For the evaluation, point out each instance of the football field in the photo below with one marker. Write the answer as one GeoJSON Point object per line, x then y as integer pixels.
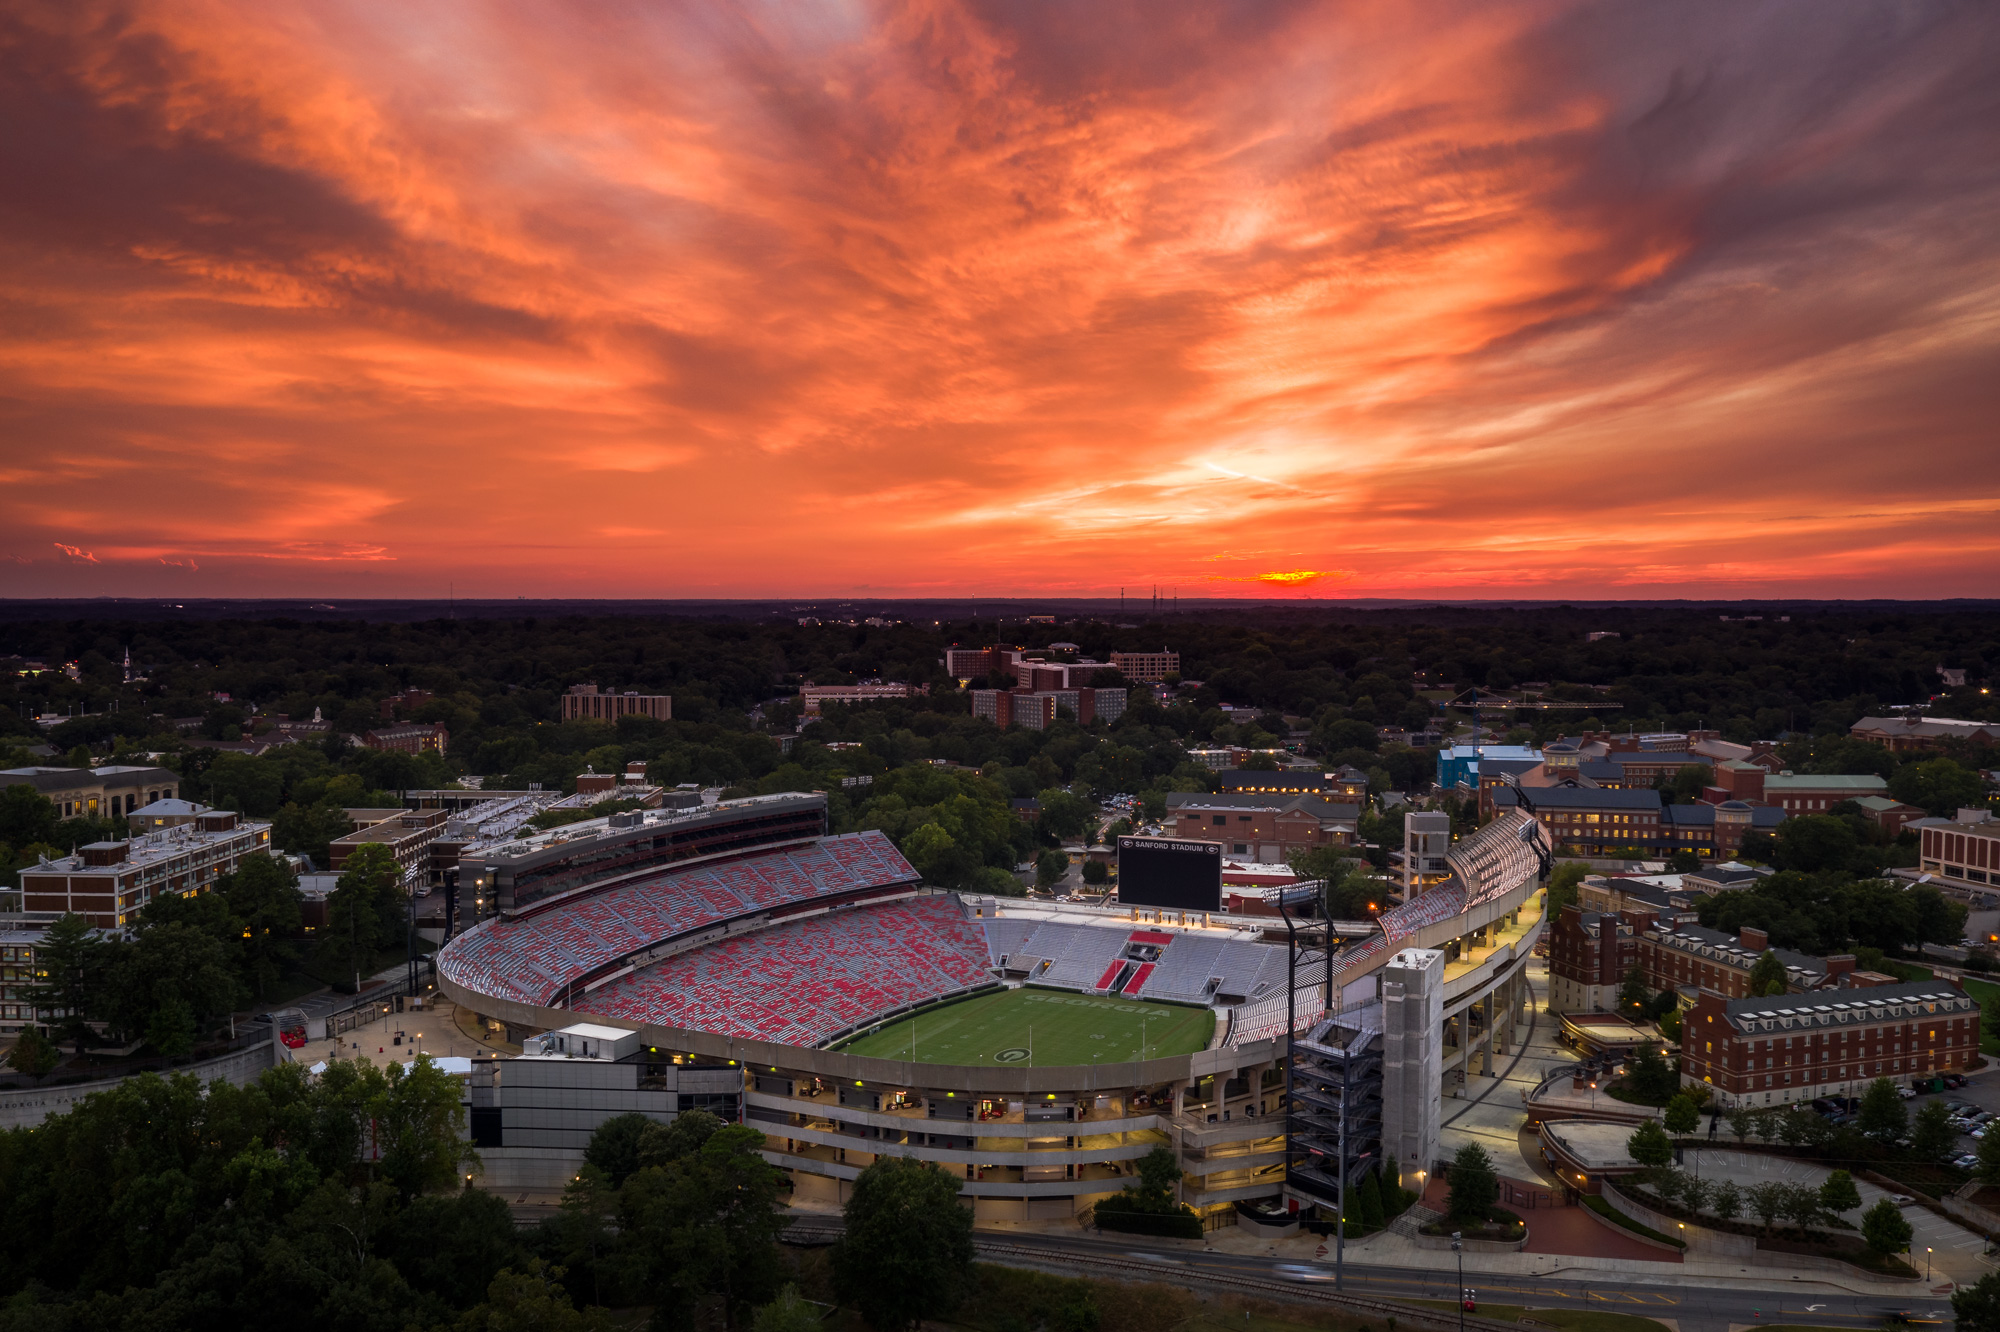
{"type": "Point", "coordinates": [1038, 1028]}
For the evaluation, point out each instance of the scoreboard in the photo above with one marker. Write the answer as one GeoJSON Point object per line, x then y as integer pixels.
{"type": "Point", "coordinates": [1167, 872]}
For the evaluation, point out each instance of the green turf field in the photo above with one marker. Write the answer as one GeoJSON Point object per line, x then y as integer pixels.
{"type": "Point", "coordinates": [1044, 1028]}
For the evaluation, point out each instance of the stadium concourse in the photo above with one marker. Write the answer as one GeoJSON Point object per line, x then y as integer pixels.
{"type": "Point", "coordinates": [737, 970]}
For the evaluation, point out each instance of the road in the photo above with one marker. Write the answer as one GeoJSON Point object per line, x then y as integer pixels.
{"type": "Point", "coordinates": [1692, 1308]}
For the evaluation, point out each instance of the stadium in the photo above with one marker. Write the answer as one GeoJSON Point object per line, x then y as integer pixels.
{"type": "Point", "coordinates": [741, 958]}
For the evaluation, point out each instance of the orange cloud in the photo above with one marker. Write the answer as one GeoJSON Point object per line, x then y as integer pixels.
{"type": "Point", "coordinates": [1288, 578]}
{"type": "Point", "coordinates": [1463, 298]}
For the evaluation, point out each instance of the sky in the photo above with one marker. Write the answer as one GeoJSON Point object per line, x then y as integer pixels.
{"type": "Point", "coordinates": [1362, 299]}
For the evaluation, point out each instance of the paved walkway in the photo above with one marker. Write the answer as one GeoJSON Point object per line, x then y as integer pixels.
{"type": "Point", "coordinates": [1489, 1111]}
{"type": "Point", "coordinates": [439, 1028]}
{"type": "Point", "coordinates": [1558, 1229]}
{"type": "Point", "coordinates": [1956, 1254]}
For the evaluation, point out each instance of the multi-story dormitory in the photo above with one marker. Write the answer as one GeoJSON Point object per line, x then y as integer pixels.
{"type": "Point", "coordinates": [1797, 1047]}
{"type": "Point", "coordinates": [1591, 951]}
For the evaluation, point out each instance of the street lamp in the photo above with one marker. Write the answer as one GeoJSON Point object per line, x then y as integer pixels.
{"type": "Point", "coordinates": [1927, 1263]}
{"type": "Point", "coordinates": [1459, 1249]}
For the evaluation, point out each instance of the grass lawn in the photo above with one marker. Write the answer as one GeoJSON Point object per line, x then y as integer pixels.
{"type": "Point", "coordinates": [1038, 1027]}
{"type": "Point", "coordinates": [1987, 995]}
{"type": "Point", "coordinates": [1570, 1320]}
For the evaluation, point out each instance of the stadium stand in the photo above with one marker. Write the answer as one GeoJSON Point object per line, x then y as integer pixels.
{"type": "Point", "coordinates": [1185, 969]}
{"type": "Point", "coordinates": [1496, 859]}
{"type": "Point", "coordinates": [1005, 938]}
{"type": "Point", "coordinates": [806, 982]}
{"type": "Point", "coordinates": [1440, 903]}
{"type": "Point", "coordinates": [531, 958]}
{"type": "Point", "coordinates": [1071, 956]}
{"type": "Point", "coordinates": [1262, 1019]}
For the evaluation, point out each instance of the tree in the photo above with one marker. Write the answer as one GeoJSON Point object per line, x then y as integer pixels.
{"type": "Point", "coordinates": [1838, 1194]}
{"type": "Point", "coordinates": [1976, 1308]}
{"type": "Point", "coordinates": [1475, 1187]}
{"type": "Point", "coordinates": [1066, 817]}
{"type": "Point", "coordinates": [1803, 1128]}
{"type": "Point", "coordinates": [26, 816]}
{"type": "Point", "coordinates": [1883, 1118]}
{"type": "Point", "coordinates": [1988, 1169]}
{"type": "Point", "coordinates": [614, 1147]}
{"type": "Point", "coordinates": [1366, 1204]}
{"type": "Point", "coordinates": [1931, 1135]}
{"type": "Point", "coordinates": [169, 984]}
{"type": "Point", "coordinates": [364, 913]}
{"type": "Point", "coordinates": [33, 1055]}
{"type": "Point", "coordinates": [1814, 843]}
{"type": "Point", "coordinates": [1940, 785]}
{"type": "Point", "coordinates": [1767, 1200]}
{"type": "Point", "coordinates": [1634, 994]}
{"type": "Point", "coordinates": [1743, 1121]}
{"type": "Point", "coordinates": [1563, 883]}
{"type": "Point", "coordinates": [1726, 1200]}
{"type": "Point", "coordinates": [1695, 1193]}
{"type": "Point", "coordinates": [1802, 1205]}
{"type": "Point", "coordinates": [1096, 871]}
{"type": "Point", "coordinates": [790, 1312]}
{"type": "Point", "coordinates": [1884, 1230]}
{"type": "Point", "coordinates": [1683, 1117]}
{"type": "Point", "coordinates": [67, 978]}
{"type": "Point", "coordinates": [532, 1300]}
{"type": "Point", "coordinates": [1768, 975]}
{"type": "Point", "coordinates": [263, 898]}
{"type": "Point", "coordinates": [1050, 866]}
{"type": "Point", "coordinates": [1650, 1146]}
{"type": "Point", "coordinates": [1650, 1075]}
{"type": "Point", "coordinates": [702, 1230]}
{"type": "Point", "coordinates": [907, 1251]}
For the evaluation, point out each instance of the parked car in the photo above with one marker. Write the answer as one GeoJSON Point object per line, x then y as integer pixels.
{"type": "Point", "coordinates": [1954, 1080]}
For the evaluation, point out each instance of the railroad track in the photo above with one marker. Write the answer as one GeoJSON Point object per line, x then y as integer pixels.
{"type": "Point", "coordinates": [1131, 1268]}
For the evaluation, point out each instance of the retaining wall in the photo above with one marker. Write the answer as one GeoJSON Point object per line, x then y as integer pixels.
{"type": "Point", "coordinates": [1737, 1248]}
{"type": "Point", "coordinates": [31, 1105]}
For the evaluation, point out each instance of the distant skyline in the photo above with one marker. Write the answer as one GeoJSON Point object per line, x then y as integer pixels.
{"type": "Point", "coordinates": [1510, 300]}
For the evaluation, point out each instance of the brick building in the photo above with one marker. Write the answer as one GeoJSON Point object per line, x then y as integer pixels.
{"type": "Point", "coordinates": [1912, 732]}
{"type": "Point", "coordinates": [1795, 793]}
{"type": "Point", "coordinates": [585, 702]}
{"type": "Point", "coordinates": [109, 883]}
{"type": "Point", "coordinates": [965, 664]}
{"type": "Point", "coordinates": [409, 835]}
{"type": "Point", "coordinates": [1265, 828]}
{"type": "Point", "coordinates": [1037, 710]}
{"type": "Point", "coordinates": [1966, 848]}
{"type": "Point", "coordinates": [1694, 957]}
{"type": "Point", "coordinates": [1152, 667]}
{"type": "Point", "coordinates": [1344, 785]}
{"type": "Point", "coordinates": [1798, 1047]}
{"type": "Point", "coordinates": [1715, 832]}
{"type": "Point", "coordinates": [817, 695]}
{"type": "Point", "coordinates": [1588, 821]}
{"type": "Point", "coordinates": [105, 792]}
{"type": "Point", "coordinates": [410, 738]}
{"type": "Point", "coordinates": [1590, 952]}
